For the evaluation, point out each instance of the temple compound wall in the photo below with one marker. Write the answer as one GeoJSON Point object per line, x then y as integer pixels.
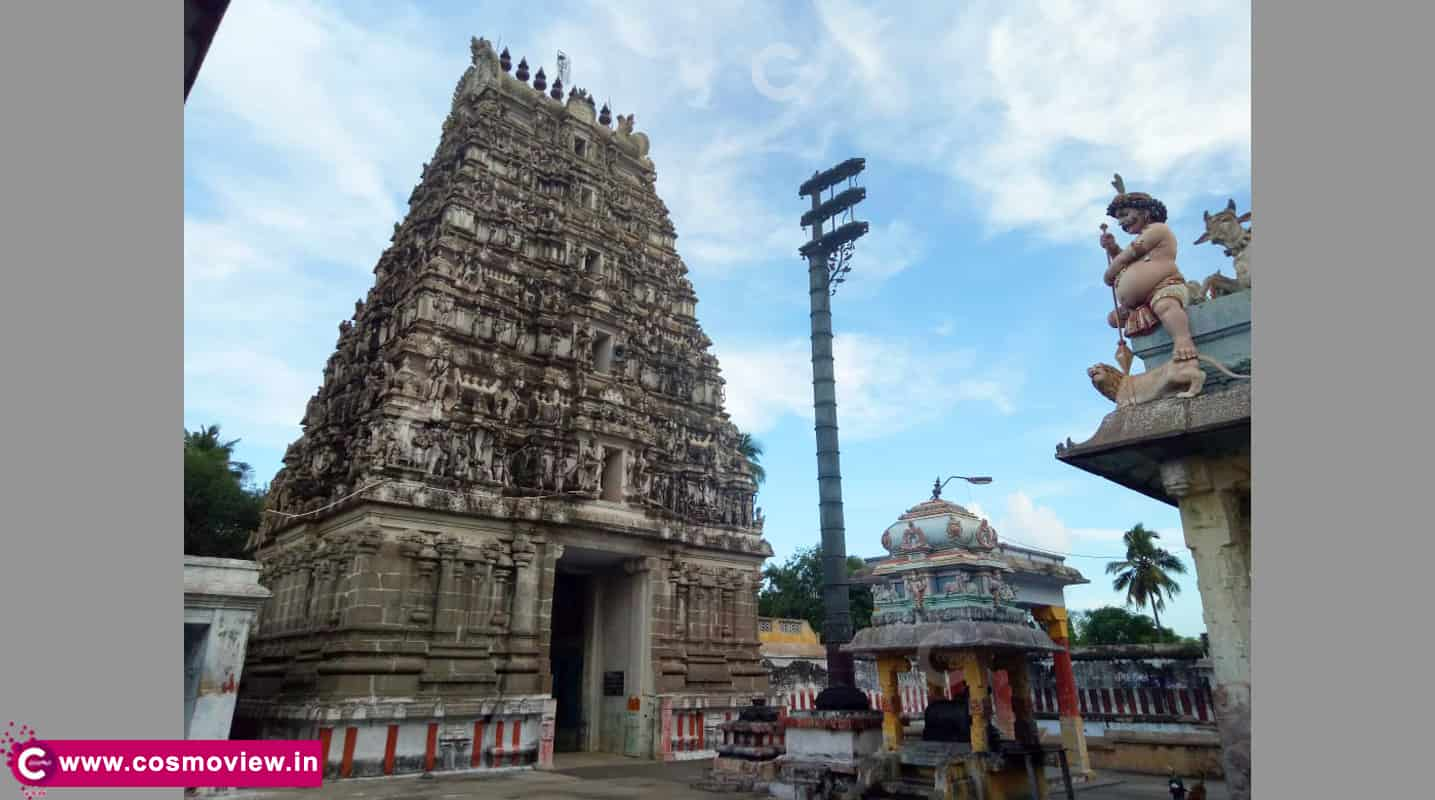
{"type": "Point", "coordinates": [518, 520]}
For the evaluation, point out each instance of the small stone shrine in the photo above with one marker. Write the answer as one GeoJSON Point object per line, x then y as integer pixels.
{"type": "Point", "coordinates": [943, 602]}
{"type": "Point", "coordinates": [747, 758]}
{"type": "Point", "coordinates": [518, 518]}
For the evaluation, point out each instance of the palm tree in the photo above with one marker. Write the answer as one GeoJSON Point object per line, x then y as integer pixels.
{"type": "Point", "coordinates": [1145, 575]}
{"type": "Point", "coordinates": [751, 450]}
{"type": "Point", "coordinates": [206, 440]}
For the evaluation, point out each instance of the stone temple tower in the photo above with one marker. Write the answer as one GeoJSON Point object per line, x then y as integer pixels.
{"type": "Point", "coordinates": [518, 518]}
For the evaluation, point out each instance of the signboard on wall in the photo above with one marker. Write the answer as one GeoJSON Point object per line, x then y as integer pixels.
{"type": "Point", "coordinates": [613, 684]}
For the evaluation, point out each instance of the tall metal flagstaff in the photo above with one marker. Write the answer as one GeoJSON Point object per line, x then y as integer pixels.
{"type": "Point", "coordinates": [827, 256]}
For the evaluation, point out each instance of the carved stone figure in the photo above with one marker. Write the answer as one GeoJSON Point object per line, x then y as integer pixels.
{"type": "Point", "coordinates": [1149, 288]}
{"type": "Point", "coordinates": [1224, 228]}
{"type": "Point", "coordinates": [1163, 381]}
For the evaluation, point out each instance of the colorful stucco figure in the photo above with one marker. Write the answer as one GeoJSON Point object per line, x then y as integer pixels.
{"type": "Point", "coordinates": [1150, 290]}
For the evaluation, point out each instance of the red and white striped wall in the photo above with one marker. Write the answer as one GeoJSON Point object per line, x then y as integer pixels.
{"type": "Point", "coordinates": [1187, 704]}
{"type": "Point", "coordinates": [369, 748]}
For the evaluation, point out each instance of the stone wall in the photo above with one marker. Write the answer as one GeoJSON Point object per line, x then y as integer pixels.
{"type": "Point", "coordinates": [221, 598]}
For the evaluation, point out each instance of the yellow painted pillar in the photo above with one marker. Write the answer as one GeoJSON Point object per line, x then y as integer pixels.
{"type": "Point", "coordinates": [1073, 727]}
{"type": "Point", "coordinates": [974, 670]}
{"type": "Point", "coordinates": [888, 668]}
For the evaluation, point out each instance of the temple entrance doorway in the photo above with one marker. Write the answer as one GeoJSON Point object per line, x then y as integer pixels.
{"type": "Point", "coordinates": [566, 660]}
{"type": "Point", "coordinates": [600, 653]}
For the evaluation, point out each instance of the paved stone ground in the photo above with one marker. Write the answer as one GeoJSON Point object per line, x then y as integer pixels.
{"type": "Point", "coordinates": [599, 777]}
{"type": "Point", "coordinates": [1140, 787]}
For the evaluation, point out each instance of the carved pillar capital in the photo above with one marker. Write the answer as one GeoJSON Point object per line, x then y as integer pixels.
{"type": "Point", "coordinates": [448, 547]}
{"type": "Point", "coordinates": [1177, 477]}
{"type": "Point", "coordinates": [368, 540]}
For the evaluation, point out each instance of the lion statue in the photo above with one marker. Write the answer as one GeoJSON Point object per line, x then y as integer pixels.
{"type": "Point", "coordinates": [1154, 384]}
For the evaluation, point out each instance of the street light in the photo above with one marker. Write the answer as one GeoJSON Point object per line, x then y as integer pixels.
{"type": "Point", "coordinates": [939, 484]}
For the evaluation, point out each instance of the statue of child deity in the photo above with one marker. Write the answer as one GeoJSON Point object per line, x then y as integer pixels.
{"type": "Point", "coordinates": [1149, 288]}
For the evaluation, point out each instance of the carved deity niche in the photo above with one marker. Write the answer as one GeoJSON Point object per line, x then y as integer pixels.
{"type": "Point", "coordinates": [420, 579]}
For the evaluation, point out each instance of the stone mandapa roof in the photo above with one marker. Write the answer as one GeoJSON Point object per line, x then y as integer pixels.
{"type": "Point", "coordinates": [1024, 564]}
{"type": "Point", "coordinates": [1131, 443]}
{"type": "Point", "coordinates": [953, 635]}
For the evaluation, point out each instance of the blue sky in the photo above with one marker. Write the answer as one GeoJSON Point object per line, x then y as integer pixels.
{"type": "Point", "coordinates": [974, 306]}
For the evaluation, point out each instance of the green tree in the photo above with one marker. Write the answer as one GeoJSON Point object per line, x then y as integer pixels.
{"type": "Point", "coordinates": [1145, 574]}
{"type": "Point", "coordinates": [793, 590]}
{"type": "Point", "coordinates": [751, 450]}
{"type": "Point", "coordinates": [1113, 625]}
{"type": "Point", "coordinates": [221, 507]}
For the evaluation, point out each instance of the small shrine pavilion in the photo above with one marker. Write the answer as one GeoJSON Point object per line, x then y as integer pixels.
{"type": "Point", "coordinates": [946, 601]}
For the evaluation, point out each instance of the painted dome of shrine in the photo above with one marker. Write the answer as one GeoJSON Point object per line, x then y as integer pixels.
{"type": "Point", "coordinates": [935, 525]}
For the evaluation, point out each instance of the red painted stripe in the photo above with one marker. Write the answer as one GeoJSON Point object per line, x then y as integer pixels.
{"type": "Point", "coordinates": [347, 767]}
{"type": "Point", "coordinates": [1081, 700]}
{"type": "Point", "coordinates": [517, 728]}
{"type": "Point", "coordinates": [431, 749]}
{"type": "Point", "coordinates": [325, 736]}
{"type": "Point", "coordinates": [1120, 701]}
{"type": "Point", "coordinates": [1141, 695]}
{"type": "Point", "coordinates": [1185, 702]}
{"type": "Point", "coordinates": [477, 759]}
{"type": "Point", "coordinates": [1201, 705]}
{"type": "Point", "coordinates": [389, 748]}
{"type": "Point", "coordinates": [702, 731]}
{"type": "Point", "coordinates": [1106, 700]}
{"type": "Point", "coordinates": [498, 744]}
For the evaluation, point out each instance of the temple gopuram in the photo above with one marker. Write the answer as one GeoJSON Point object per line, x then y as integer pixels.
{"type": "Point", "coordinates": [518, 519]}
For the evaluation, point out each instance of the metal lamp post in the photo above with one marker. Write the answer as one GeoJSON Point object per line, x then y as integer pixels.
{"type": "Point", "coordinates": [827, 256]}
{"type": "Point", "coordinates": [939, 484]}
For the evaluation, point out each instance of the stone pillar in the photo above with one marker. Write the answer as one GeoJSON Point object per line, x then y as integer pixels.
{"type": "Point", "coordinates": [888, 670]}
{"type": "Point", "coordinates": [1003, 702]}
{"type": "Point", "coordinates": [521, 670]}
{"type": "Point", "coordinates": [974, 668]}
{"type": "Point", "coordinates": [1024, 729]}
{"type": "Point", "coordinates": [448, 617]}
{"type": "Point", "coordinates": [1073, 728]}
{"type": "Point", "coordinates": [1214, 498]}
{"type": "Point", "coordinates": [360, 607]}
{"type": "Point", "coordinates": [545, 740]}
{"type": "Point", "coordinates": [525, 590]}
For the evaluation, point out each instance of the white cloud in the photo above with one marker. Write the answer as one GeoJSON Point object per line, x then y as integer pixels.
{"type": "Point", "coordinates": [303, 159]}
{"type": "Point", "coordinates": [1026, 523]}
{"type": "Point", "coordinates": [884, 385]}
{"type": "Point", "coordinates": [887, 250]}
{"type": "Point", "coordinates": [267, 407]}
